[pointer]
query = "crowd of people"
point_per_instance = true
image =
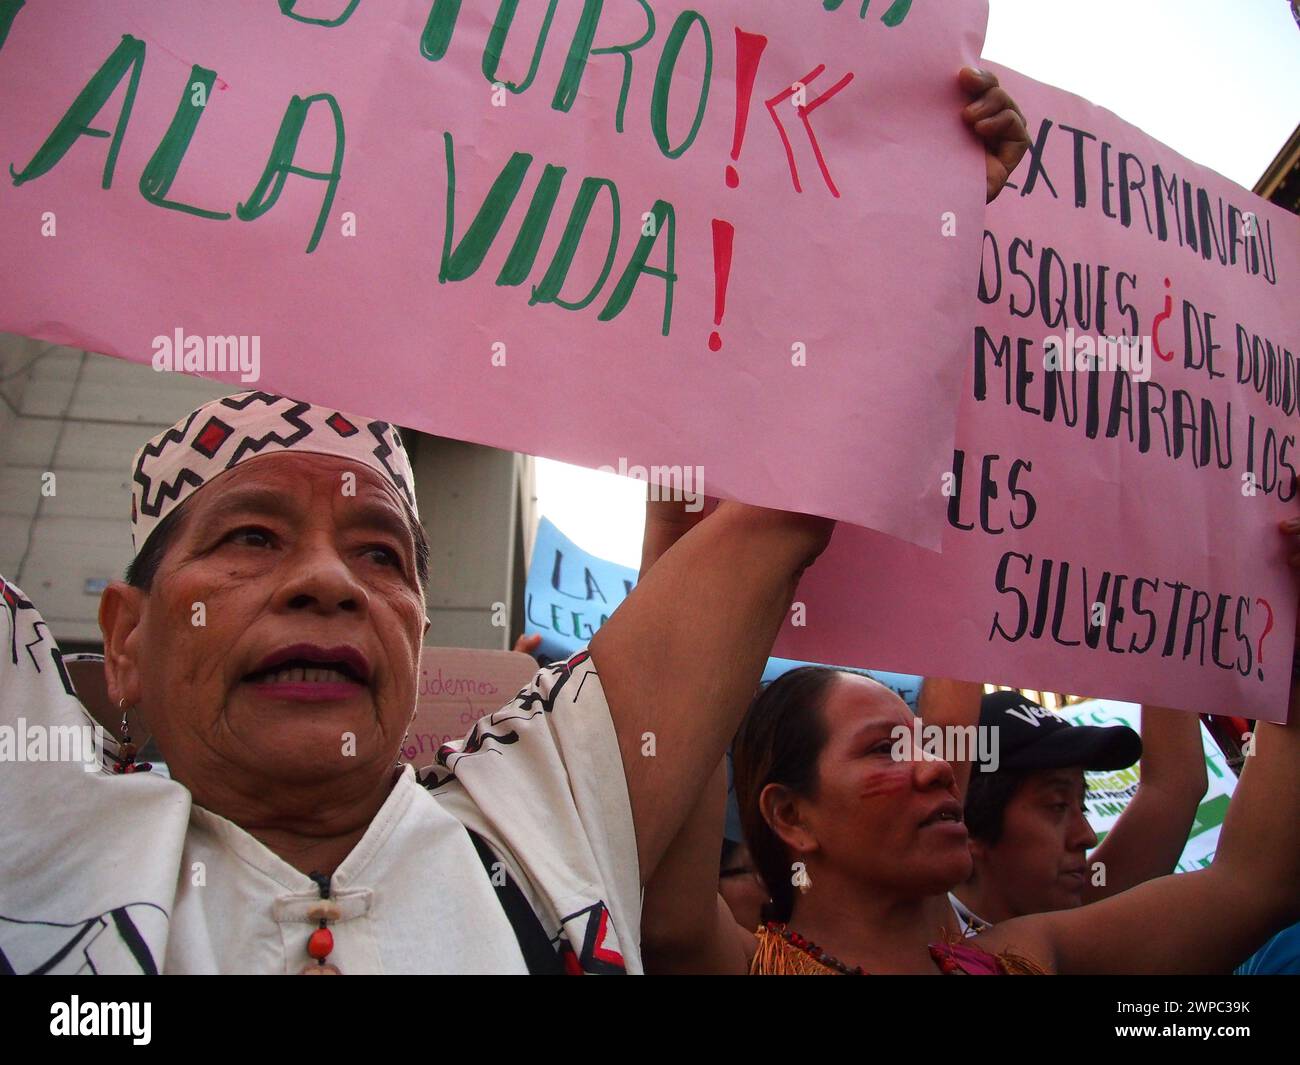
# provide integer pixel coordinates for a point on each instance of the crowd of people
(579, 828)
(855, 859)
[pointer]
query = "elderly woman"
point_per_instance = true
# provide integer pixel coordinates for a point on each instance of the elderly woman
(268, 637)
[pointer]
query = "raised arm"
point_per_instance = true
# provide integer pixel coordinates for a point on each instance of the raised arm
(956, 703)
(686, 927)
(1149, 836)
(666, 522)
(680, 659)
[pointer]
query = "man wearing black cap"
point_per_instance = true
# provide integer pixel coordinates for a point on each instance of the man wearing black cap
(1029, 836)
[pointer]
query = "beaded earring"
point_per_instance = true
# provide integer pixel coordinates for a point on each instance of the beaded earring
(126, 750)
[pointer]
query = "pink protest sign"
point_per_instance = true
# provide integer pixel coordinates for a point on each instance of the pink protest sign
(739, 239)
(458, 685)
(1112, 506)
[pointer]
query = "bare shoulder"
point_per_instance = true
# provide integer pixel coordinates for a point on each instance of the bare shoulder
(1026, 937)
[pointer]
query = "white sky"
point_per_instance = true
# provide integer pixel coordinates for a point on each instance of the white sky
(1216, 80)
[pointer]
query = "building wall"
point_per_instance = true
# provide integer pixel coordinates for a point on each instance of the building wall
(81, 417)
(471, 508)
(1281, 181)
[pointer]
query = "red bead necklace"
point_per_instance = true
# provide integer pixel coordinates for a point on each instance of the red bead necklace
(813, 950)
(947, 964)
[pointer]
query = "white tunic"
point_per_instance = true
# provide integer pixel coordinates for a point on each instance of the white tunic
(108, 873)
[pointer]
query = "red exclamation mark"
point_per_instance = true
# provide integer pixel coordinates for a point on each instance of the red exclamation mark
(724, 235)
(749, 50)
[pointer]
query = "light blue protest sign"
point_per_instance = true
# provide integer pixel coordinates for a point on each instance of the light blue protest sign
(570, 593)
(907, 686)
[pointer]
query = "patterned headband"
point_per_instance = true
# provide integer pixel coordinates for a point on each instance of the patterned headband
(221, 434)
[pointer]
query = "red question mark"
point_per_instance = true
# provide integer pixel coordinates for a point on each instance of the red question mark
(1267, 629)
(1160, 319)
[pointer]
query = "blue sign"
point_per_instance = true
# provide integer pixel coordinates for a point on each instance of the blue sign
(906, 686)
(569, 593)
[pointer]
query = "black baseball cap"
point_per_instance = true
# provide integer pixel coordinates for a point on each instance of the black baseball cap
(1029, 737)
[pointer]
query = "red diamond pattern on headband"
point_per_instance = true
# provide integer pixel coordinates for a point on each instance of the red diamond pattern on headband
(211, 437)
(341, 425)
(235, 429)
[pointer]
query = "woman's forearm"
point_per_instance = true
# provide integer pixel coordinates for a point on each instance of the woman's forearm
(1150, 835)
(738, 568)
(956, 703)
(1260, 839)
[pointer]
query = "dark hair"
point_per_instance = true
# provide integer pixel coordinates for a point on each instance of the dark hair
(141, 570)
(779, 742)
(987, 796)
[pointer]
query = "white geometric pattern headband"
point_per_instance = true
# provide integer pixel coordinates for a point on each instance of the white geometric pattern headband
(177, 463)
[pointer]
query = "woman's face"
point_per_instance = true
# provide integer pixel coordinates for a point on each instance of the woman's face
(280, 638)
(883, 811)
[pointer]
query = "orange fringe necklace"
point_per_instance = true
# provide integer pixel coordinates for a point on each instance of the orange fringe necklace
(778, 956)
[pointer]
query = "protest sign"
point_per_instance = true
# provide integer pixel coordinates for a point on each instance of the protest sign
(458, 685)
(1110, 792)
(570, 593)
(907, 686)
(1112, 506)
(737, 240)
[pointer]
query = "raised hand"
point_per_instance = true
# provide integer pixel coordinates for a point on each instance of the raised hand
(994, 117)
